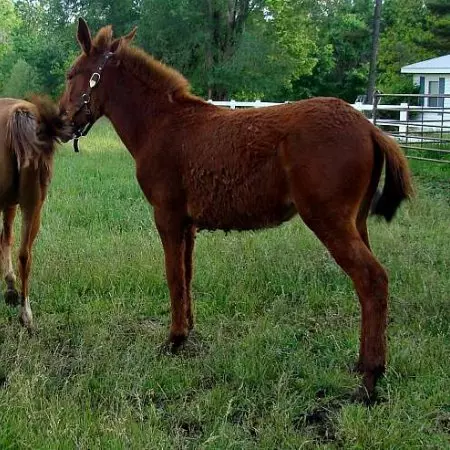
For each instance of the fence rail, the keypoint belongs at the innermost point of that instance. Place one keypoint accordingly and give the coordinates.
(422, 131)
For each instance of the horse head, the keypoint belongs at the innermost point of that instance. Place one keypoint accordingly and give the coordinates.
(89, 81)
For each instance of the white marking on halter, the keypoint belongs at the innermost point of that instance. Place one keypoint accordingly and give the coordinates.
(95, 78)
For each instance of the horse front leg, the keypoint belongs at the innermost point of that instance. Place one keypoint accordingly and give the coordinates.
(6, 241)
(31, 219)
(172, 232)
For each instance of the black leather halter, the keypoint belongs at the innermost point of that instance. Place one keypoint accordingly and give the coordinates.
(85, 103)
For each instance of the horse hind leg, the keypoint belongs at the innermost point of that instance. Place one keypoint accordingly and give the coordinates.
(348, 248)
(30, 227)
(189, 242)
(11, 295)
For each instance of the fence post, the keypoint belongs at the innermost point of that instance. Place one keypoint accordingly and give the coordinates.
(376, 100)
(233, 104)
(403, 127)
(257, 104)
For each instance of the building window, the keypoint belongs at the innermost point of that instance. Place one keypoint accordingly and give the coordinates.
(436, 88)
(433, 88)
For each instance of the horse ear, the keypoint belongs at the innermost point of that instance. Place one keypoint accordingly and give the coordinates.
(84, 36)
(130, 36)
(124, 40)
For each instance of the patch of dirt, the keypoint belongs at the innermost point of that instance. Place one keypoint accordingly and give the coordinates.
(3, 380)
(190, 428)
(194, 346)
(443, 421)
(320, 420)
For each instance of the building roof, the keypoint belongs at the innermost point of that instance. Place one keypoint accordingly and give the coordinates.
(434, 65)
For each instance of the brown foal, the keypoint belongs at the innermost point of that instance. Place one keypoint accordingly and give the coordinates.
(28, 132)
(204, 167)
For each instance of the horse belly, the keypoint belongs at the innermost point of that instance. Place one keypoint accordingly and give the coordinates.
(260, 201)
(230, 219)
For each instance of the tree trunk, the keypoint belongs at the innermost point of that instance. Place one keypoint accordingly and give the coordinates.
(373, 59)
(227, 23)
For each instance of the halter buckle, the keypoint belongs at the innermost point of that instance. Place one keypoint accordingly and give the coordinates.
(95, 78)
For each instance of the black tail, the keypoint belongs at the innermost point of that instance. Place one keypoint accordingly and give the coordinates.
(398, 184)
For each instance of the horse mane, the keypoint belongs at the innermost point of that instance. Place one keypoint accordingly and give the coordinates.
(151, 72)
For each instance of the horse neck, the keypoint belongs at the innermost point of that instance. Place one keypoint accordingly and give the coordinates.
(134, 113)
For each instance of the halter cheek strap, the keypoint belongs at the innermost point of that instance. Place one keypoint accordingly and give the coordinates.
(85, 103)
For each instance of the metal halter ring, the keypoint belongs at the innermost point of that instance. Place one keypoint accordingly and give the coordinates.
(95, 78)
(85, 98)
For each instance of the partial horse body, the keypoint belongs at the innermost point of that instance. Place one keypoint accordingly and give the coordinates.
(204, 167)
(28, 132)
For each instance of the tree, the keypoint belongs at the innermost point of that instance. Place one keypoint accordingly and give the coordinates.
(405, 28)
(373, 58)
(8, 22)
(230, 48)
(439, 26)
(23, 80)
(343, 43)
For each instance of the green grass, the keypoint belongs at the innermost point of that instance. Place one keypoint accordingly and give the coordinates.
(277, 328)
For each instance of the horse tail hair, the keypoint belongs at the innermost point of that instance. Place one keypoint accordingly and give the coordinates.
(21, 134)
(34, 127)
(398, 184)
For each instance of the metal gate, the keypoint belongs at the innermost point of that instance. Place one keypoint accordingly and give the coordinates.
(420, 123)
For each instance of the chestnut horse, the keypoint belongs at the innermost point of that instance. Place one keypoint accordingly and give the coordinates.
(204, 167)
(28, 132)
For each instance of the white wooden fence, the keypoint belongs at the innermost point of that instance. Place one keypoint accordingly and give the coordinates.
(422, 130)
(404, 111)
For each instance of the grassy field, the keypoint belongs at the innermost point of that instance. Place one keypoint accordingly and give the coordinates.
(277, 328)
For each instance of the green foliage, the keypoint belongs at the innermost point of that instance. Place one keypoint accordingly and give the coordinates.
(344, 43)
(23, 80)
(222, 57)
(405, 31)
(8, 22)
(439, 26)
(272, 49)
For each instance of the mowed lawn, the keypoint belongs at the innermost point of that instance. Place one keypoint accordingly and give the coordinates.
(277, 328)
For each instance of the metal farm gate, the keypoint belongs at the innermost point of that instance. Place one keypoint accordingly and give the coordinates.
(420, 123)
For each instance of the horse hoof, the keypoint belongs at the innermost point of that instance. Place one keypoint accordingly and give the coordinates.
(363, 396)
(357, 368)
(26, 318)
(11, 297)
(169, 348)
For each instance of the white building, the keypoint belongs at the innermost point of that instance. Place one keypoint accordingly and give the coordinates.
(433, 77)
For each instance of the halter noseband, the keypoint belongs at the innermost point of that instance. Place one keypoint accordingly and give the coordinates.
(85, 102)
